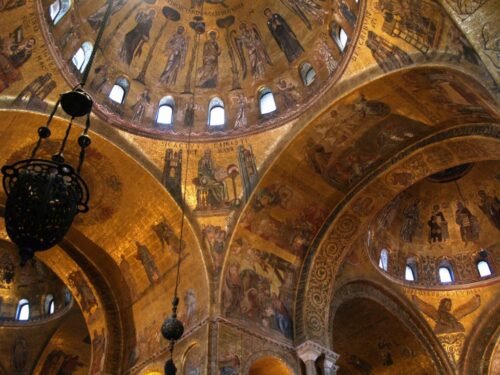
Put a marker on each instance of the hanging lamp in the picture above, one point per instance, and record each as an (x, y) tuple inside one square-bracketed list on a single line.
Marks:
[(172, 328), (45, 195)]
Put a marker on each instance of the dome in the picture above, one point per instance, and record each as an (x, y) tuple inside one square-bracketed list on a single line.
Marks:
[(33, 285), (165, 66), (448, 221)]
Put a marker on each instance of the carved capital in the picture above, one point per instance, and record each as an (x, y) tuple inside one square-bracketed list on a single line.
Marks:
[(309, 351)]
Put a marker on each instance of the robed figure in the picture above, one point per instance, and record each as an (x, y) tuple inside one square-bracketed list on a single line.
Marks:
[(209, 71), (135, 38), (283, 35), (176, 49)]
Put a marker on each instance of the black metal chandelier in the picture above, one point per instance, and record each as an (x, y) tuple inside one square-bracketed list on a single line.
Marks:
[(44, 196), (172, 328)]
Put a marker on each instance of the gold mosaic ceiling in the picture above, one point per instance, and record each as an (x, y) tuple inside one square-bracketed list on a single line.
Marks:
[(451, 216), (187, 53)]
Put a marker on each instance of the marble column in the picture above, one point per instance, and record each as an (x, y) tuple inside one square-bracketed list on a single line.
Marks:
[(329, 366), (309, 352)]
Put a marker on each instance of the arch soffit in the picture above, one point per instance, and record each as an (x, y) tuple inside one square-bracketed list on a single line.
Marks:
[(287, 359), (274, 166), (398, 306), (89, 249), (440, 151), (480, 345), (116, 181)]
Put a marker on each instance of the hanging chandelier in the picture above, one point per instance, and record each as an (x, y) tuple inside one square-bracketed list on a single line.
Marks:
[(172, 328), (45, 195)]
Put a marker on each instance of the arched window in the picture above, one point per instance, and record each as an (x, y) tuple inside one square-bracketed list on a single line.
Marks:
[(339, 36), (165, 115), (411, 269), (307, 73), (49, 304), (119, 90), (445, 274), (383, 261), (23, 310), (409, 276), (216, 113), (81, 57), (266, 101), (58, 10), (483, 268)]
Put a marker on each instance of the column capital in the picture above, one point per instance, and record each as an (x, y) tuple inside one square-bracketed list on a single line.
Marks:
[(309, 351)]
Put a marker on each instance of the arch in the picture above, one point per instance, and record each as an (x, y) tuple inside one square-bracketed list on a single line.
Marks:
[(216, 113), (165, 113), (58, 9), (283, 360), (482, 342), (399, 307), (82, 56), (87, 248), (119, 90), (335, 241)]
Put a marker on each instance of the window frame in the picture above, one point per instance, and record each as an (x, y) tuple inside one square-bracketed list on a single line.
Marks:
[(124, 85), (305, 69), (448, 268), (166, 101), (383, 256), (336, 32), (215, 104), (267, 92), (490, 271), (49, 300), (64, 7), (86, 49), (23, 303)]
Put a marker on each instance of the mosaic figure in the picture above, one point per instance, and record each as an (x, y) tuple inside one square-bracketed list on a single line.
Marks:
[(87, 299), (138, 36), (304, 9), (208, 73), (446, 320), (490, 207), (411, 222), (140, 107), (438, 226), (211, 189), (283, 35), (324, 55), (250, 39), (96, 18), (148, 262), (469, 225), (15, 50), (176, 50)]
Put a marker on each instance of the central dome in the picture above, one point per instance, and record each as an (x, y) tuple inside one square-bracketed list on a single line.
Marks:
[(166, 65)]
